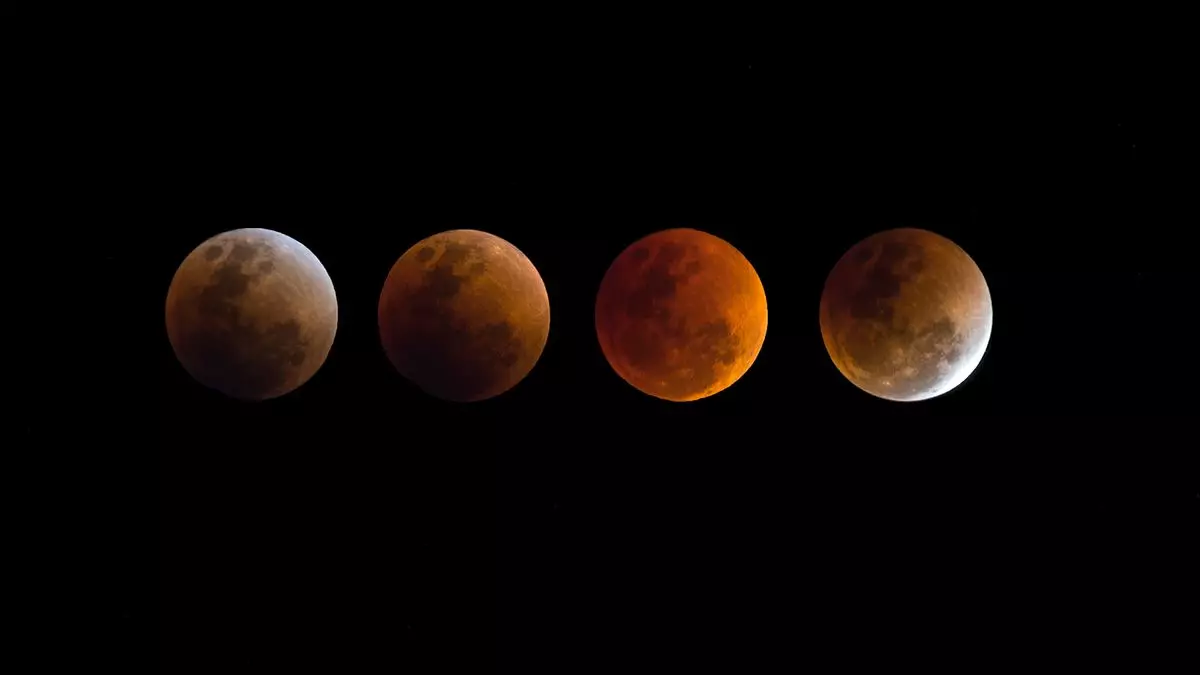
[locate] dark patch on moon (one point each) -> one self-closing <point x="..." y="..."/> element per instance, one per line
<point x="219" y="299"/>
<point x="244" y="251"/>
<point x="441" y="282"/>
<point x="424" y="254"/>
<point x="454" y="253"/>
<point x="659" y="282"/>
<point x="873" y="299"/>
<point x="230" y="351"/>
<point x="213" y="252"/>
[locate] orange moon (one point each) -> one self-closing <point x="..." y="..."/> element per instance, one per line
<point x="464" y="315"/>
<point x="681" y="315"/>
<point x="906" y="315"/>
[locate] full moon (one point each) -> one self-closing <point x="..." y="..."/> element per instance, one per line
<point x="906" y="315"/>
<point x="251" y="313"/>
<point x="464" y="315"/>
<point x="681" y="315"/>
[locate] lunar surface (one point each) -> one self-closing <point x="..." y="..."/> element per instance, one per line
<point x="464" y="315"/>
<point x="906" y="315"/>
<point x="251" y="313"/>
<point x="681" y="315"/>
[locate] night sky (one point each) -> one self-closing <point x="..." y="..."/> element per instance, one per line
<point x="790" y="521"/>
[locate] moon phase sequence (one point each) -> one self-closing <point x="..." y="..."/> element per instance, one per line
<point x="681" y="315"/>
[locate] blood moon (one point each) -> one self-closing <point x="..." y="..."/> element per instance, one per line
<point x="464" y="315"/>
<point x="681" y="315"/>
<point x="906" y="315"/>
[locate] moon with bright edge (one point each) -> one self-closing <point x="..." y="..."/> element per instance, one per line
<point x="251" y="313"/>
<point x="906" y="315"/>
<point x="681" y="315"/>
<point x="464" y="315"/>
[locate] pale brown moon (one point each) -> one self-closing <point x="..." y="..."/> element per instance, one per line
<point x="464" y="315"/>
<point x="681" y="315"/>
<point x="251" y="313"/>
<point x="906" y="315"/>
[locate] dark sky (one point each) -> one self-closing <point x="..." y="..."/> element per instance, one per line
<point x="790" y="520"/>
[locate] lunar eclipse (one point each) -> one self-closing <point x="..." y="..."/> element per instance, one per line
<point x="251" y="313"/>
<point x="464" y="315"/>
<point x="906" y="315"/>
<point x="681" y="315"/>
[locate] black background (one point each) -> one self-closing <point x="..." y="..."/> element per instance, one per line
<point x="357" y="525"/>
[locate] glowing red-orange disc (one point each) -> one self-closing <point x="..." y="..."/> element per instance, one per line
<point x="681" y="315"/>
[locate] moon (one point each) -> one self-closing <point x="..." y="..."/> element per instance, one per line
<point x="906" y="315"/>
<point x="464" y="315"/>
<point x="681" y="315"/>
<point x="251" y="313"/>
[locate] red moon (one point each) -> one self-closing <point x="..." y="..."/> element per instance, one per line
<point x="464" y="315"/>
<point x="906" y="315"/>
<point x="681" y="315"/>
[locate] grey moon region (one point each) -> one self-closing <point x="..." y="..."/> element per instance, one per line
<point x="906" y="315"/>
<point x="251" y="313"/>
